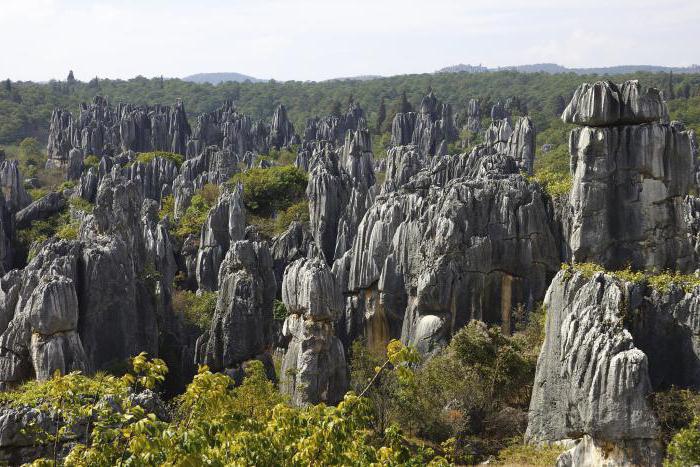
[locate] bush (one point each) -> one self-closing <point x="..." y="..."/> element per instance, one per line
<point x="684" y="449"/>
<point x="527" y="454"/>
<point x="147" y="157"/>
<point x="81" y="204"/>
<point x="659" y="281"/>
<point x="675" y="409"/>
<point x="267" y="191"/>
<point x="213" y="422"/>
<point x="197" y="309"/>
<point x="68" y="231"/>
<point x="284" y="156"/>
<point x="196" y="214"/>
<point x="91" y="161"/>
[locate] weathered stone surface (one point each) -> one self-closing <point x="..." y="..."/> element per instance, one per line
<point x="286" y="248"/>
<point x="242" y="325"/>
<point x="626" y="205"/>
<point x="606" y="104"/>
<point x="427" y="129"/>
<point x="608" y="344"/>
<point x="340" y="190"/>
<point x="101" y="129"/>
<point x="40" y="209"/>
<point x="464" y="238"/>
<point x="473" y="123"/>
<point x="313" y="368"/>
<point x="16" y="197"/>
<point x="333" y="128"/>
<point x="225" y="225"/>
<point x="281" y="129"/>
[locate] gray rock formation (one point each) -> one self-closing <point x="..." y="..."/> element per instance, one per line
<point x="473" y="122"/>
<point x="464" y="238"/>
<point x="281" y="130"/>
<point x="224" y="226"/>
<point x="340" y="190"/>
<point x="333" y="128"/>
<point x="606" y="104"/>
<point x="595" y="371"/>
<point x="626" y="207"/>
<point x="314" y="368"/>
<point x="241" y="329"/>
<point x="101" y="129"/>
<point x="16" y="197"/>
<point x="428" y="129"/>
<point x="41" y="209"/>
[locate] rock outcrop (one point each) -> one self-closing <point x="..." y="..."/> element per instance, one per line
<point x="340" y="190"/>
<point x="631" y="173"/>
<point x="473" y="122"/>
<point x="314" y="368"/>
<point x="224" y="226"/>
<point x="449" y="240"/>
<point x="430" y="129"/>
<point x="333" y="128"/>
<point x="241" y="328"/>
<point x="101" y="129"/>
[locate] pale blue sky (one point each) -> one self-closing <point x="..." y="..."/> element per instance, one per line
<point x="320" y="39"/>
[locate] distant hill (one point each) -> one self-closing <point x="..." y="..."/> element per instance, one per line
<point x="356" y="78"/>
<point x="553" y="68"/>
<point x="216" y="78"/>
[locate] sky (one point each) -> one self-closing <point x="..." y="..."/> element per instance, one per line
<point x="322" y="39"/>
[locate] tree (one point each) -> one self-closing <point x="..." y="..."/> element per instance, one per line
<point x="404" y="106"/>
<point x="381" y="115"/>
<point x="8" y="85"/>
<point x="671" y="94"/>
<point x="336" y="110"/>
<point x="71" y="78"/>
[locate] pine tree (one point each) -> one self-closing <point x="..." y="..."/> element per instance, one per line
<point x="671" y="94"/>
<point x="381" y="115"/>
<point x="404" y="105"/>
<point x="8" y="85"/>
<point x="71" y="78"/>
<point x="336" y="109"/>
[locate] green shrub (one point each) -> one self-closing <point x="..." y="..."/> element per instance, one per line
<point x="684" y="449"/>
<point x="146" y="157"/>
<point x="279" y="311"/>
<point x="267" y="191"/>
<point x="37" y="193"/>
<point x="81" y="204"/>
<point x="197" y="309"/>
<point x="167" y="208"/>
<point x="68" y="231"/>
<point x="554" y="183"/>
<point x="527" y="454"/>
<point x="659" y="281"/>
<point x="196" y="214"/>
<point x="284" y="156"/>
<point x="91" y="161"/>
<point x="675" y="410"/>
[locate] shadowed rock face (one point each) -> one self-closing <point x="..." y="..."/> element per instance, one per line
<point x="450" y="239"/>
<point x="241" y="329"/>
<point x="101" y="129"/>
<point x="610" y="343"/>
<point x="630" y="181"/>
<point x="314" y="368"/>
<point x="92" y="303"/>
<point x="340" y="190"/>
<point x="430" y="129"/>
<point x="606" y="104"/>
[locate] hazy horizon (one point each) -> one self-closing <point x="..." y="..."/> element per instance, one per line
<point x="317" y="40"/>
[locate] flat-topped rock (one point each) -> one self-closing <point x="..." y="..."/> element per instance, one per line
<point x="607" y="104"/>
